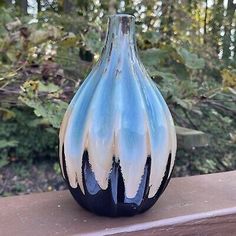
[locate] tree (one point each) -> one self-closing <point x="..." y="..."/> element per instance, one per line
<point x="205" y="20"/>
<point x="67" y="6"/>
<point x="228" y="26"/>
<point x="8" y="2"/>
<point x="23" y="4"/>
<point x="216" y="24"/>
<point x="166" y="24"/>
<point x="39" y="5"/>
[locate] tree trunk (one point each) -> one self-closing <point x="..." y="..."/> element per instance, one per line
<point x="8" y="2"/>
<point x="216" y="24"/>
<point x="23" y="4"/>
<point x="189" y="6"/>
<point x="112" y="7"/>
<point x="169" y="32"/>
<point x="166" y="20"/>
<point x="67" y="6"/>
<point x="39" y="5"/>
<point x="164" y="10"/>
<point x="205" y="20"/>
<point x="228" y="26"/>
<point x="234" y="58"/>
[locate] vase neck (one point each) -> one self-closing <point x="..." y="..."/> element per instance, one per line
<point x="121" y="34"/>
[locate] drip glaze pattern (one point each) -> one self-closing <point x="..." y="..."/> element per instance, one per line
<point x="117" y="138"/>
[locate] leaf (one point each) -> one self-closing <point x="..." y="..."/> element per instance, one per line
<point x="185" y="103"/>
<point x="8" y="143"/>
<point x="38" y="122"/>
<point x="6" y="114"/>
<point x="5" y="16"/>
<point x="30" y="87"/>
<point x="52" y="111"/>
<point x="11" y="54"/>
<point x="233" y="137"/>
<point x="13" y="24"/>
<point x="48" y="88"/>
<point x="191" y="60"/>
<point x="39" y="36"/>
<point x="231" y="90"/>
<point x="151" y="36"/>
<point x="54" y="32"/>
<point x="229" y="78"/>
<point x="152" y="57"/>
<point x="3" y="162"/>
<point x="165" y="75"/>
<point x="42" y="35"/>
<point x="68" y="40"/>
<point x="93" y="41"/>
<point x="11" y="74"/>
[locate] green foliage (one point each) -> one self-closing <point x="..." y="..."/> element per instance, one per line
<point x="190" y="60"/>
<point x="44" y="59"/>
<point x="24" y="137"/>
<point x="93" y="41"/>
<point x="50" y="110"/>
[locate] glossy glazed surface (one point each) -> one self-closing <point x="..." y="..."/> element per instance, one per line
<point x="112" y="201"/>
<point x="117" y="139"/>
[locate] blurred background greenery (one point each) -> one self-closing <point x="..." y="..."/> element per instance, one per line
<point x="47" y="47"/>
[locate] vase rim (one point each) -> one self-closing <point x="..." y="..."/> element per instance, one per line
<point x="122" y="15"/>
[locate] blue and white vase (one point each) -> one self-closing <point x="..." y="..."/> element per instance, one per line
<point x="117" y="138"/>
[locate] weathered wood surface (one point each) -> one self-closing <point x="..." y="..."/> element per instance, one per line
<point x="189" y="138"/>
<point x="198" y="205"/>
<point x="214" y="226"/>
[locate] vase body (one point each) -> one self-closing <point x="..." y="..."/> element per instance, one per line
<point x="117" y="138"/>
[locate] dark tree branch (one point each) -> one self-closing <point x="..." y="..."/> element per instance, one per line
<point x="205" y="20"/>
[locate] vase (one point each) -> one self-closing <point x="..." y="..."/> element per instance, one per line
<point x="117" y="138"/>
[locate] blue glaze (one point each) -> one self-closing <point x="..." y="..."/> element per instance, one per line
<point x="117" y="140"/>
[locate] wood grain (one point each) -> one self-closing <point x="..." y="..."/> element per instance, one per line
<point x="189" y="138"/>
<point x="198" y="205"/>
<point x="217" y="226"/>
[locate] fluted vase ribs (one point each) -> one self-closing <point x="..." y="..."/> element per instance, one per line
<point x="117" y="138"/>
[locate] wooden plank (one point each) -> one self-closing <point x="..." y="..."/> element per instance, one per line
<point x="189" y="138"/>
<point x="203" y="203"/>
<point x="221" y="225"/>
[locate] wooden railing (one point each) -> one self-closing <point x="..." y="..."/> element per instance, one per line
<point x="197" y="205"/>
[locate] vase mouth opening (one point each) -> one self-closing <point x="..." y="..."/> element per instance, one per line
<point x="122" y="15"/>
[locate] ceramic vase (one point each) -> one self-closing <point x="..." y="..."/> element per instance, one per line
<point x="117" y="138"/>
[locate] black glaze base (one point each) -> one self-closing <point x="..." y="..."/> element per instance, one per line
<point x="112" y="201"/>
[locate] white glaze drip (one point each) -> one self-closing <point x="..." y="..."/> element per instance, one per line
<point x="118" y="112"/>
